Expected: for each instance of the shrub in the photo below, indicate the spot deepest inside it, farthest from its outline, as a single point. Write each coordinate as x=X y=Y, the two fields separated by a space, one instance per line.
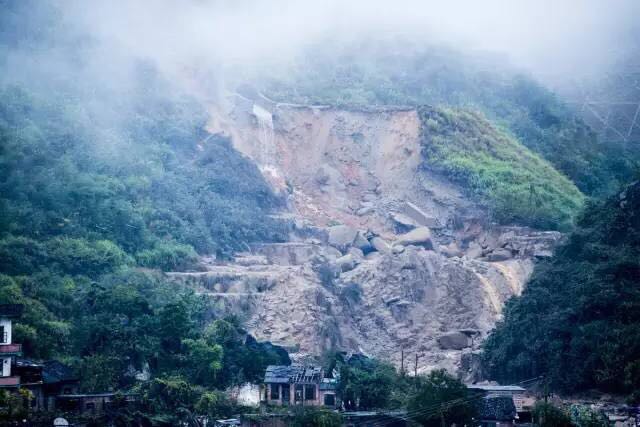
x=516 y=185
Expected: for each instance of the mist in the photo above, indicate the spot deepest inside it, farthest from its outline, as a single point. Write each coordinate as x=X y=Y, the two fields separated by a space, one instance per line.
x=555 y=41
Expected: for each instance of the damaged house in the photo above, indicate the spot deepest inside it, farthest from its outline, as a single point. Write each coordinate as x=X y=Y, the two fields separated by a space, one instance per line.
x=299 y=385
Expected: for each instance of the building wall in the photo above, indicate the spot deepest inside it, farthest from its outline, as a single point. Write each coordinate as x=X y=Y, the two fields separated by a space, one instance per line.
x=7 y=328
x=317 y=401
x=6 y=366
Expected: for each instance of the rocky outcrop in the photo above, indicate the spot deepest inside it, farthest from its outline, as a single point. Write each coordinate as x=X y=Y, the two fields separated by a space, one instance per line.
x=342 y=237
x=420 y=236
x=454 y=341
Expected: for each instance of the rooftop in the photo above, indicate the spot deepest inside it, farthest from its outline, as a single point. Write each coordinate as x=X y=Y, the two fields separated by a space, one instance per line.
x=489 y=387
x=293 y=374
x=497 y=409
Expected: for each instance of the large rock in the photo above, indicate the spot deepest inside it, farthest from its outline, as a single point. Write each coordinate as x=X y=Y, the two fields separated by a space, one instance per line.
x=380 y=245
x=474 y=251
x=356 y=252
x=499 y=255
x=342 y=236
x=403 y=221
x=346 y=263
x=361 y=242
x=419 y=216
x=451 y=250
x=454 y=341
x=420 y=236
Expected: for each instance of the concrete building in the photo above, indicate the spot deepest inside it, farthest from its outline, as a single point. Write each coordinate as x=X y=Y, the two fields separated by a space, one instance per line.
x=298 y=385
x=8 y=350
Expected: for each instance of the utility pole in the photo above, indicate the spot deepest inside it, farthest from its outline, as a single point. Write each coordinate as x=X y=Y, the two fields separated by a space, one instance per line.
x=402 y=362
x=546 y=402
x=415 y=368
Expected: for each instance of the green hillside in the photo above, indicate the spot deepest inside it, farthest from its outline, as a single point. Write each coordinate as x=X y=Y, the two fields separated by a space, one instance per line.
x=578 y=320
x=399 y=72
x=514 y=183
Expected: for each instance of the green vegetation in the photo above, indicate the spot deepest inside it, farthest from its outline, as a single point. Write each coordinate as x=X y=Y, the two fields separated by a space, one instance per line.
x=375 y=73
x=514 y=183
x=548 y=415
x=440 y=399
x=578 y=320
x=100 y=193
x=311 y=417
x=368 y=384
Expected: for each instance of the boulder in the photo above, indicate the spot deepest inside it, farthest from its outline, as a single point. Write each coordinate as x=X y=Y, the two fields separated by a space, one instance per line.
x=341 y=236
x=474 y=251
x=451 y=250
x=380 y=244
x=361 y=242
x=419 y=216
x=397 y=249
x=331 y=253
x=356 y=253
x=454 y=341
x=364 y=211
x=420 y=236
x=372 y=255
x=403 y=221
x=499 y=255
x=346 y=263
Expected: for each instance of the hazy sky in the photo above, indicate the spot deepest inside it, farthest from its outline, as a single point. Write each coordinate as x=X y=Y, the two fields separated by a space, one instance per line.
x=550 y=37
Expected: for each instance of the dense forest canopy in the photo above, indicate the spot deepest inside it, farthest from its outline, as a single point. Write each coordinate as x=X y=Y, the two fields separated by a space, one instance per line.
x=578 y=320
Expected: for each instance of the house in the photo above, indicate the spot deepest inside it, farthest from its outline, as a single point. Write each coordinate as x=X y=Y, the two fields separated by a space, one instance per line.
x=46 y=381
x=8 y=350
x=501 y=405
x=516 y=393
x=299 y=385
x=497 y=411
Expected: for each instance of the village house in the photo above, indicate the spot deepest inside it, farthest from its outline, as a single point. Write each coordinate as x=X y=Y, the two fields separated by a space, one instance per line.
x=502 y=405
x=8 y=350
x=46 y=381
x=516 y=393
x=298 y=385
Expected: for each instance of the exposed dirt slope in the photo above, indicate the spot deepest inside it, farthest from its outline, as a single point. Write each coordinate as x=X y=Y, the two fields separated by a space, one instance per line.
x=349 y=278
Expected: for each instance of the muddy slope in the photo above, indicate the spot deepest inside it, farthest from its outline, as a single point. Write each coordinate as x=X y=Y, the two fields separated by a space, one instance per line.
x=350 y=278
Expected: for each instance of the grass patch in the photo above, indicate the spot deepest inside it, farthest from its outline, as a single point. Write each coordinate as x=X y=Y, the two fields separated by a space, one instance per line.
x=515 y=184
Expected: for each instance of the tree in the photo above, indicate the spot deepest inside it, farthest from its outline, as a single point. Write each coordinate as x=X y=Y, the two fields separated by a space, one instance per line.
x=441 y=399
x=312 y=417
x=548 y=415
x=368 y=385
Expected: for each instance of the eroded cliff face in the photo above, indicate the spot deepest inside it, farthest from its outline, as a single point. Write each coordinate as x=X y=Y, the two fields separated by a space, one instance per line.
x=384 y=256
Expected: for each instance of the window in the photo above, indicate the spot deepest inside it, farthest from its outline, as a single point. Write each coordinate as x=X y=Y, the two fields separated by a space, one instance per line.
x=275 y=391
x=3 y=335
x=298 y=392
x=310 y=392
x=329 y=400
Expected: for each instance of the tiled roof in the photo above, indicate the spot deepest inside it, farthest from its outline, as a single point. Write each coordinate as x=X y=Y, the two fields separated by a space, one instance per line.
x=55 y=372
x=500 y=408
x=489 y=387
x=292 y=374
